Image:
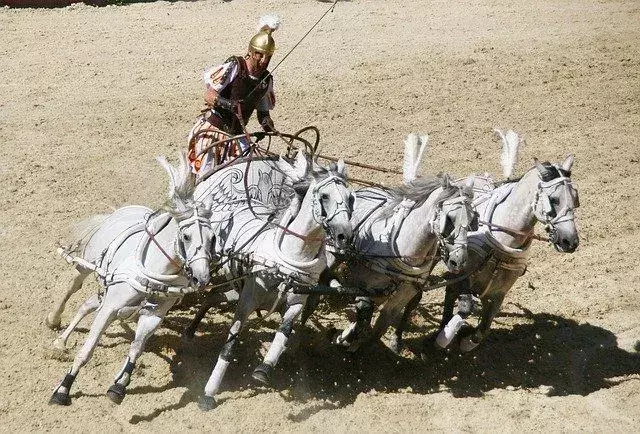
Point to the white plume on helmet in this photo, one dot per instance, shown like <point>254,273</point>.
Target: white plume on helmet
<point>511,143</point>
<point>269,23</point>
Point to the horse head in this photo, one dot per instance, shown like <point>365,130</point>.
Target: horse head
<point>195,238</point>
<point>332,201</point>
<point>555,202</point>
<point>455,219</point>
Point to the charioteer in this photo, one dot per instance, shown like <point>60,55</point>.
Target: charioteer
<point>234,90</point>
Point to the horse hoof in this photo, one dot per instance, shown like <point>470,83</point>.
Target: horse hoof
<point>59,345</point>
<point>116,393</point>
<point>262,373</point>
<point>52,322</point>
<point>60,398</point>
<point>206,403</point>
<point>467,344</point>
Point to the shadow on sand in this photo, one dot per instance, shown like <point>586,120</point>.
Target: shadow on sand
<point>536,350</point>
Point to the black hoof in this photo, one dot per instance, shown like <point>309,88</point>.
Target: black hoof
<point>116,393</point>
<point>188,334</point>
<point>206,403</point>
<point>429,347</point>
<point>262,373</point>
<point>60,398</point>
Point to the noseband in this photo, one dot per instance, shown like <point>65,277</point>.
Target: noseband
<point>439,223</point>
<point>542,198</point>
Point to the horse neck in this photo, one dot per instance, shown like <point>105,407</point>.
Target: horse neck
<point>516,212</point>
<point>304,225</point>
<point>416,239</point>
<point>153,259</point>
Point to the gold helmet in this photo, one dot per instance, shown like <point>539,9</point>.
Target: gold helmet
<point>262,42</point>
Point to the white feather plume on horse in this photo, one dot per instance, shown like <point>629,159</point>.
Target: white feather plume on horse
<point>511,143</point>
<point>414,147</point>
<point>269,23</point>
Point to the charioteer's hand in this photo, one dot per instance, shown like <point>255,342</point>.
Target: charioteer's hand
<point>210,97</point>
<point>227,104</point>
<point>267,125</point>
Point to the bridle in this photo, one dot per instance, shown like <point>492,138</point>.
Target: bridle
<point>543,209</point>
<point>460,230</point>
<point>198,216</point>
<point>320,215</point>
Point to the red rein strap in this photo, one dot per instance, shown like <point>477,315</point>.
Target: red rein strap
<point>153,238</point>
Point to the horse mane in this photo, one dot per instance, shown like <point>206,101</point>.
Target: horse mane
<point>301,186</point>
<point>419,191</point>
<point>552,172</point>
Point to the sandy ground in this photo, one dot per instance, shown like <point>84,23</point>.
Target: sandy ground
<point>89,96</point>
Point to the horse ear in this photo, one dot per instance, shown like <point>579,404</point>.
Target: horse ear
<point>288,169</point>
<point>567,163</point>
<point>467,188</point>
<point>342,168</point>
<point>301,165</point>
<point>539,166</point>
<point>208,202</point>
<point>445,180</point>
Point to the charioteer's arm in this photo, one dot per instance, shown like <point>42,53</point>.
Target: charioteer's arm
<point>215,80</point>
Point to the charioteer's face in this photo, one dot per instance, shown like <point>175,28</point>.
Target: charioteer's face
<point>257,62</point>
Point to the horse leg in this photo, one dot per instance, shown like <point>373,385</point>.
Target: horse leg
<point>364,313</point>
<point>55,316</point>
<point>210,301</point>
<point>90,305</point>
<point>394,308</point>
<point>114,300</point>
<point>313,300</point>
<point>249,301</point>
<point>490,308</point>
<point>190,330</point>
<point>150,319</point>
<point>295,305</point>
<point>396,343</point>
<point>451,324</point>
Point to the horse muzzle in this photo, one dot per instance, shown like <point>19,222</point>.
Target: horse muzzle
<point>565,239</point>
<point>200,271</point>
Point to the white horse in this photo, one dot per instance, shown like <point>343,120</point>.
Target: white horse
<point>278,258</point>
<point>146,261</point>
<point>399,236</point>
<point>499,249</point>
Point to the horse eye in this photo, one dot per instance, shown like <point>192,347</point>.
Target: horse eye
<point>186,237</point>
<point>324,196</point>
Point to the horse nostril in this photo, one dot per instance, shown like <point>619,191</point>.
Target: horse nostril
<point>453,263</point>
<point>341,237</point>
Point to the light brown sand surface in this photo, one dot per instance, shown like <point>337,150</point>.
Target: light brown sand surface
<point>90,95</point>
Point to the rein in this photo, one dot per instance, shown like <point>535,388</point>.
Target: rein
<point>153,239</point>
<point>511,231</point>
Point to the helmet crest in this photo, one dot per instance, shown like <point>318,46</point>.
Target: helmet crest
<point>262,42</point>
